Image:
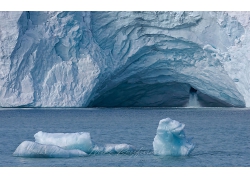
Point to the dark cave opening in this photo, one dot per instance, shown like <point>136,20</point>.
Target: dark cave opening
<point>192,90</point>
<point>171,94</point>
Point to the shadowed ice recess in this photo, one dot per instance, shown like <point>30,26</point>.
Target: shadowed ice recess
<point>169,140</point>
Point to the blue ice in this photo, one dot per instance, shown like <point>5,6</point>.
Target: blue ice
<point>170,139</point>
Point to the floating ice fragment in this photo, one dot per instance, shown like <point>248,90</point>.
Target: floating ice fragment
<point>171,140</point>
<point>66,145</point>
<point>114,149</point>
<point>33,149</point>
<point>118,148</point>
<point>78,140</point>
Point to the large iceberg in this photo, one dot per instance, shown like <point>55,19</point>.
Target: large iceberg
<point>171,140</point>
<point>89,59</point>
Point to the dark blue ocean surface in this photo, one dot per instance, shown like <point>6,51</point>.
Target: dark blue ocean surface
<point>221,135</point>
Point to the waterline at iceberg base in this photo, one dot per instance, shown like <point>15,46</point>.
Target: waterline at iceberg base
<point>170,140</point>
<point>124,59</point>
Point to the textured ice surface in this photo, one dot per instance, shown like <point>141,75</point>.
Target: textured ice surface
<point>83,59</point>
<point>170,139</point>
<point>79,140</point>
<point>33,149</point>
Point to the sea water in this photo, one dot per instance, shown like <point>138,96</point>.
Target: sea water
<point>221,135</point>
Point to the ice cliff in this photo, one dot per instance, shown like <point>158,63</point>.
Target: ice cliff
<point>89,59</point>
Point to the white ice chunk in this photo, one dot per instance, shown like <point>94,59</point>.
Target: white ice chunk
<point>113,149</point>
<point>118,148</point>
<point>78,140</point>
<point>171,140</point>
<point>33,149</point>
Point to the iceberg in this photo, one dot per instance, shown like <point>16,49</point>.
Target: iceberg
<point>124,59</point>
<point>171,140</point>
<point>36,150</point>
<point>67,145</point>
<point>79,140</point>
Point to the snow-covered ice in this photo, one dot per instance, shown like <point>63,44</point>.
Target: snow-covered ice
<point>37,150</point>
<point>79,140</point>
<point>170,139</point>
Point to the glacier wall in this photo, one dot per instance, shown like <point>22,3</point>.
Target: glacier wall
<point>92,59</point>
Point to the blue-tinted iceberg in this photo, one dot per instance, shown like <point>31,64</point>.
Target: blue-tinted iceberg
<point>171,140</point>
<point>78,140</point>
<point>33,149</point>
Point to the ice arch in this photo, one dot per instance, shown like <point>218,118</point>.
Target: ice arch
<point>158,63</point>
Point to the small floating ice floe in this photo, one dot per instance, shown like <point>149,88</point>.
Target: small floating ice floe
<point>114,149</point>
